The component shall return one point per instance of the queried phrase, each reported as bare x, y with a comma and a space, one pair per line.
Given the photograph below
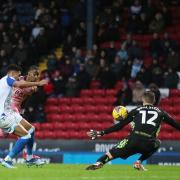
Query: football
119, 112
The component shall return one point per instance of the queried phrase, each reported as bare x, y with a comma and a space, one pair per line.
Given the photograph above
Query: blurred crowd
30, 31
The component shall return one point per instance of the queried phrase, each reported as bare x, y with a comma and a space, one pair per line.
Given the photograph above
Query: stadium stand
83, 85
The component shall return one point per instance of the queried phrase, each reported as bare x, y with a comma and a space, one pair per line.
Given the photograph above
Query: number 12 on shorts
149, 120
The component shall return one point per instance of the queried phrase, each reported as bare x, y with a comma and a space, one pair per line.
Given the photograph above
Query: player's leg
30, 158
20, 131
11, 124
30, 143
152, 148
121, 150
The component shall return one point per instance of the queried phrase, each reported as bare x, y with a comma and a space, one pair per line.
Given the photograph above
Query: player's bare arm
24, 84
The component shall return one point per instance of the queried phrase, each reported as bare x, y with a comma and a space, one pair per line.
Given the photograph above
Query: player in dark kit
143, 138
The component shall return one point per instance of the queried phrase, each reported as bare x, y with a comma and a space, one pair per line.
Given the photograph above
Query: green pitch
77, 172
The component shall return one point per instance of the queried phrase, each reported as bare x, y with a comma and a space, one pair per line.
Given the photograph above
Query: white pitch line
127, 177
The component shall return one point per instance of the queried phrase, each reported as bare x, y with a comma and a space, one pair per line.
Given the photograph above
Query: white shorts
9, 121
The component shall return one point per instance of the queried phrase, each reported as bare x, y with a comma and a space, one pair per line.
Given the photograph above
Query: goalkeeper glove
94, 134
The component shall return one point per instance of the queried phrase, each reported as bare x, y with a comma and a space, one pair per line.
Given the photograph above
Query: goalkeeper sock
104, 159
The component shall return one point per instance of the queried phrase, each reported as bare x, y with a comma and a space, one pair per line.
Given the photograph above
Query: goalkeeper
143, 139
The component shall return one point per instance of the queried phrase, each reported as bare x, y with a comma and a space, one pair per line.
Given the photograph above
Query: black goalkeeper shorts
135, 144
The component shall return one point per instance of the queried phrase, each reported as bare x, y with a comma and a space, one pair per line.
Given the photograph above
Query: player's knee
117, 153
32, 130
110, 156
113, 153
27, 136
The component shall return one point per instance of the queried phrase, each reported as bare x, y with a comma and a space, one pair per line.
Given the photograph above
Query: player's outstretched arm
169, 120
94, 134
22, 84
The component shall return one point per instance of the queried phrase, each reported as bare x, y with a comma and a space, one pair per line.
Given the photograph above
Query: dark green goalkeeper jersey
147, 121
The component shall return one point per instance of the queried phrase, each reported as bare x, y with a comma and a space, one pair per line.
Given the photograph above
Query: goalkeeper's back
147, 118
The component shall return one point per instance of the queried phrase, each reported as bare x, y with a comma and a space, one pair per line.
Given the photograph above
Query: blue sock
19, 145
30, 142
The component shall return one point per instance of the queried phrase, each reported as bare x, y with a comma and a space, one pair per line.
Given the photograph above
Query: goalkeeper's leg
101, 161
121, 150
146, 154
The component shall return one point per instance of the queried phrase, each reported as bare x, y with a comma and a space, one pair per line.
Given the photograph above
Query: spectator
157, 73
36, 30
134, 51
167, 44
122, 54
41, 43
154, 88
7, 45
66, 67
83, 78
111, 52
136, 66
30, 114
89, 55
51, 63
72, 87
113, 32
155, 46
118, 10
20, 54
79, 7
132, 26
127, 70
3, 62
173, 60
117, 67
166, 15
144, 76
58, 83
136, 7
77, 54
143, 24
149, 9
39, 115
137, 92
171, 79
124, 95
39, 10
128, 42
101, 34
157, 24
106, 77
80, 35
91, 68
46, 18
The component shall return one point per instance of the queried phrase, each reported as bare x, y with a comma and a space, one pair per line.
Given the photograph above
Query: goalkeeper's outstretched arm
119, 125
94, 134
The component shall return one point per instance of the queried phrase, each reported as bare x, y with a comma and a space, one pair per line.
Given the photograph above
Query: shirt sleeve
169, 120
10, 81
121, 124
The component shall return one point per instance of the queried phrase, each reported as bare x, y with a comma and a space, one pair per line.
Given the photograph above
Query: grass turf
78, 172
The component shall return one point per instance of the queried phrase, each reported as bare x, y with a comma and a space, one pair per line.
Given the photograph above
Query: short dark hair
13, 67
33, 67
149, 97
